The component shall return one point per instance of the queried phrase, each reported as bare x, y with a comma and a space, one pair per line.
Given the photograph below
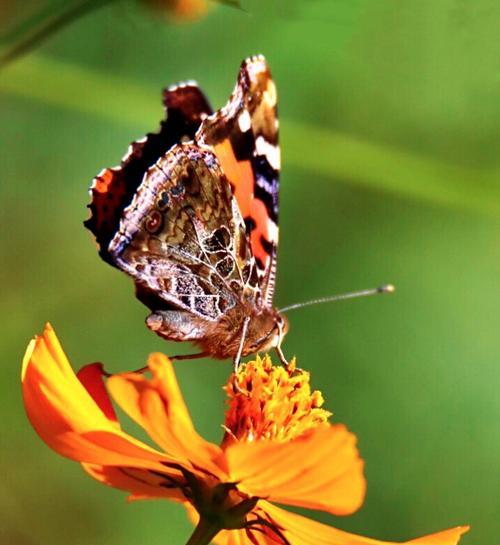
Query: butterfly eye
154, 222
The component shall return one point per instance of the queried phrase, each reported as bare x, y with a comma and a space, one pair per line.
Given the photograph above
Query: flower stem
204, 532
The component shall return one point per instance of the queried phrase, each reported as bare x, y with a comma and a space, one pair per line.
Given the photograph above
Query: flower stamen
268, 402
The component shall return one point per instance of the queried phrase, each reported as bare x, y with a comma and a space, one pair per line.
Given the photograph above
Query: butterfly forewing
244, 136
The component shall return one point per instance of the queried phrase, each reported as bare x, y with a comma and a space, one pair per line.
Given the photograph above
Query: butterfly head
266, 330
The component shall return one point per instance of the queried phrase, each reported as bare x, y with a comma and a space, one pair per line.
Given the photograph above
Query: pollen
271, 402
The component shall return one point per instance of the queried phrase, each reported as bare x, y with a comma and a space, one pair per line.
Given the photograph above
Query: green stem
49, 27
204, 532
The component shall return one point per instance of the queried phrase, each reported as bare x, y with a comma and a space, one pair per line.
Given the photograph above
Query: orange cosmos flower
278, 446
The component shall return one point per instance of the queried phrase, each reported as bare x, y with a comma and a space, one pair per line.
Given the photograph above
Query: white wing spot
273, 231
244, 121
272, 153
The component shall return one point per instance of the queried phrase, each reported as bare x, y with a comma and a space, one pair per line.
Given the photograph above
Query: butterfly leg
279, 351
189, 356
281, 356
237, 358
287, 363
172, 358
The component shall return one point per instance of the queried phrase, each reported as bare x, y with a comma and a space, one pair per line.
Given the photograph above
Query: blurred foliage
391, 158
31, 32
410, 174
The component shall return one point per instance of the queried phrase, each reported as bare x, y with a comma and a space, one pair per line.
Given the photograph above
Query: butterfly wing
244, 137
183, 238
191, 214
113, 188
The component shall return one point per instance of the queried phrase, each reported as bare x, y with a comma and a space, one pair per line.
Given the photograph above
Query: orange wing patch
108, 194
240, 175
244, 136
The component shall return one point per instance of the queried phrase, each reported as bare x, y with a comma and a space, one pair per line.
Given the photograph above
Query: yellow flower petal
320, 469
158, 406
446, 537
298, 530
303, 531
66, 416
141, 483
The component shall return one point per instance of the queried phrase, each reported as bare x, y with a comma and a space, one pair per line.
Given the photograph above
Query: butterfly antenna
387, 288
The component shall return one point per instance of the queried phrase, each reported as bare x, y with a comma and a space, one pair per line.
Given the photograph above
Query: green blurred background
390, 127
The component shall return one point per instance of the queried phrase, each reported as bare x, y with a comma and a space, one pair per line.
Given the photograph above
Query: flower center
271, 402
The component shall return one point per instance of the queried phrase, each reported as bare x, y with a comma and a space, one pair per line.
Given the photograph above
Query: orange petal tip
48, 331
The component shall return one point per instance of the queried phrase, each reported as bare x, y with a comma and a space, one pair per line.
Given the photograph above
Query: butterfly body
221, 339
191, 216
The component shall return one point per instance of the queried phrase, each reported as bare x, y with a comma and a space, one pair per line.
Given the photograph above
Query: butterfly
191, 214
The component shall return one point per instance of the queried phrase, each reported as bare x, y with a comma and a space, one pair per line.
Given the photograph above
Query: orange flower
278, 446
